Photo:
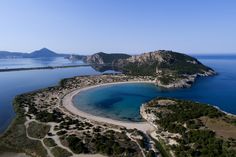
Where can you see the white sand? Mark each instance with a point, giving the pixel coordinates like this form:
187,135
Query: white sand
68,104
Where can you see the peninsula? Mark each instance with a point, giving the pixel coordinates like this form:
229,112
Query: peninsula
186,128
170,69
47,124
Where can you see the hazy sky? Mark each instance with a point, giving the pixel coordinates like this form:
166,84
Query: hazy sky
131,26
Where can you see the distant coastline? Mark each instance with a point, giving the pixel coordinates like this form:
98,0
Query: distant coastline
42,68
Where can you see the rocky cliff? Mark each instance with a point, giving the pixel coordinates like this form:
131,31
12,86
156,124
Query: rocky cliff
171,69
104,58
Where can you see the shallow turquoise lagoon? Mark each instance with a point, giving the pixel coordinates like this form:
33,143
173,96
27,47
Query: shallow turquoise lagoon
123,101
120,101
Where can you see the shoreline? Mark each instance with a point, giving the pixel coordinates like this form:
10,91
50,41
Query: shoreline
64,93
42,68
68,104
227,113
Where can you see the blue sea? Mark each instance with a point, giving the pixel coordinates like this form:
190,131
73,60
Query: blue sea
36,62
123,101
17,82
119,101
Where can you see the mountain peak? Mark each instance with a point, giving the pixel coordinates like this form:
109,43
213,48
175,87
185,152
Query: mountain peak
44,49
43,52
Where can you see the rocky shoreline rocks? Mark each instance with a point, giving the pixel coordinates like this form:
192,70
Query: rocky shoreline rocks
185,82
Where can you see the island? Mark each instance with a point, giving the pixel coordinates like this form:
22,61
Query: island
46,124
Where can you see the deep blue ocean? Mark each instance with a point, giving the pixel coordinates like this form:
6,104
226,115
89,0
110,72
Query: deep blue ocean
118,102
123,101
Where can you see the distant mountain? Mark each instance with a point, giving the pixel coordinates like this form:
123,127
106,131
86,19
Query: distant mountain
105,58
7,54
43,53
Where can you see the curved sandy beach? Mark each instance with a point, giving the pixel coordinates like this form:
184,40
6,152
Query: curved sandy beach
68,104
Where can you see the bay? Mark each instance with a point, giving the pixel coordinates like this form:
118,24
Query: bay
123,101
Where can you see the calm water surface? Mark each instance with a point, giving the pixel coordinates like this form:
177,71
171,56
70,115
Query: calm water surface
36,62
17,82
123,101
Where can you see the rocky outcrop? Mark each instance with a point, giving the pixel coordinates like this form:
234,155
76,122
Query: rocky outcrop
96,59
178,83
104,58
171,69
184,82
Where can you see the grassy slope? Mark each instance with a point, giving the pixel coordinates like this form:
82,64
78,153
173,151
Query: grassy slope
15,140
197,139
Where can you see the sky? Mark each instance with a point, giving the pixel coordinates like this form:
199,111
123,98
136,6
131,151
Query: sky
124,26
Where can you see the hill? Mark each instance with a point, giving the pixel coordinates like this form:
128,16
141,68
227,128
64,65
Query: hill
162,61
171,69
44,52
104,58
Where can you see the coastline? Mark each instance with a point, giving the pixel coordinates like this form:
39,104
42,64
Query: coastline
227,113
68,104
60,101
42,68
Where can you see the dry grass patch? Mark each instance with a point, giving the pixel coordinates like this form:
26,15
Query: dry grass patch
38,130
220,127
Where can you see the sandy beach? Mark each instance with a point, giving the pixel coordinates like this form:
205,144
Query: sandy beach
68,104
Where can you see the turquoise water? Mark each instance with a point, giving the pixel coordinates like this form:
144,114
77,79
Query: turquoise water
123,101
219,90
